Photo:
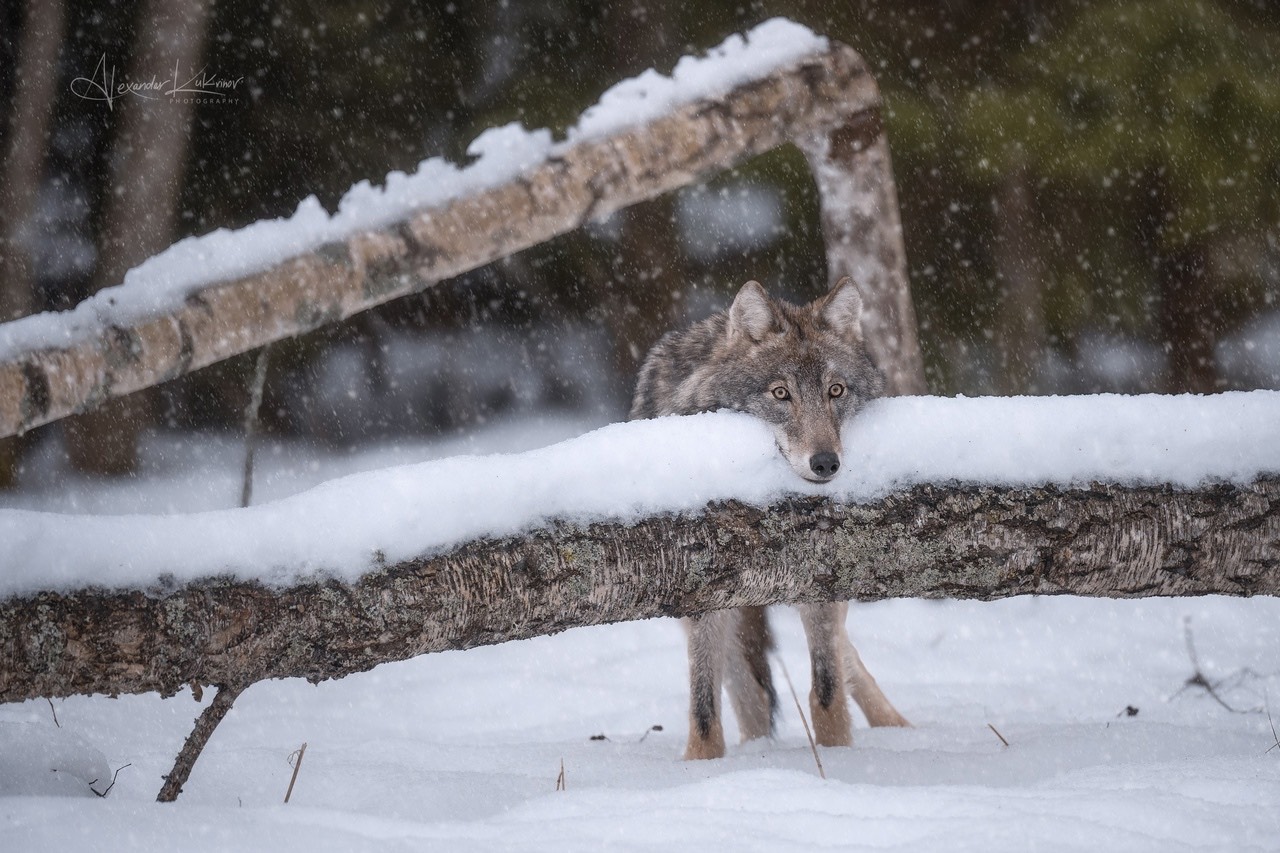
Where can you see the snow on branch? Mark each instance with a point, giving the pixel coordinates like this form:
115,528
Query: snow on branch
209,298
965,498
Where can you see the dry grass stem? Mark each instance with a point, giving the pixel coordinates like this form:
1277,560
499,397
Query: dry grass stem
803,719
295,758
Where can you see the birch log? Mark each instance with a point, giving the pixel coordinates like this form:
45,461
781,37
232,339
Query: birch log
828,102
955,542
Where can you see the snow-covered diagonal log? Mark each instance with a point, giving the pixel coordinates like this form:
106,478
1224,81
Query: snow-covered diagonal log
955,542
177,315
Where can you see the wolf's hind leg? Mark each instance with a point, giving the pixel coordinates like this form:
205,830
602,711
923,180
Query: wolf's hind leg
749,679
823,625
708,639
875,706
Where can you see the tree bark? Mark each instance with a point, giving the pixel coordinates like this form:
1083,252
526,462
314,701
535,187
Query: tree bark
150,156
34,90
956,542
811,99
195,743
862,230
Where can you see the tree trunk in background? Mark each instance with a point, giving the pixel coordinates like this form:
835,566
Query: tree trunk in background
641,303
35,89
1020,273
149,157
1187,321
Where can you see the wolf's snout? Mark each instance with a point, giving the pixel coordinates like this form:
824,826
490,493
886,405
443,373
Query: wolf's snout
824,464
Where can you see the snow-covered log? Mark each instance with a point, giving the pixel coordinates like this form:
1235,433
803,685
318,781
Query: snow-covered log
210,298
957,542
978,498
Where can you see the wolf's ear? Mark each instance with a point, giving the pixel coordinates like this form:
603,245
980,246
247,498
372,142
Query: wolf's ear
751,314
842,309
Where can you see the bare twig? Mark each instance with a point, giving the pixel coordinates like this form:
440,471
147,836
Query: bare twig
251,422
654,728
54,711
295,758
1274,737
997,734
1198,678
205,724
103,794
803,719
560,783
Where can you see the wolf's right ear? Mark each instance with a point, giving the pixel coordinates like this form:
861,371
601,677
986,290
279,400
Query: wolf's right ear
842,309
751,314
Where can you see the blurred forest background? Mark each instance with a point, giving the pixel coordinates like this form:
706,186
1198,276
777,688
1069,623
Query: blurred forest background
1090,192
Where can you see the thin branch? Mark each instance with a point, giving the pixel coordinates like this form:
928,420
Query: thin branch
54,711
103,794
1274,737
205,724
1198,678
997,734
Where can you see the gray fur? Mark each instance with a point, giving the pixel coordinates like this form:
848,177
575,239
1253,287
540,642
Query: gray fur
738,359
733,359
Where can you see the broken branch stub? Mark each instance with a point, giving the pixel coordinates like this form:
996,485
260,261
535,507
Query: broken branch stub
813,102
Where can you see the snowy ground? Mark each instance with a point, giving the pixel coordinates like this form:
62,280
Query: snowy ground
460,751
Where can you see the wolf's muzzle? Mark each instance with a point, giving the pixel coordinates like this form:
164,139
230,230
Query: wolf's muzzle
825,465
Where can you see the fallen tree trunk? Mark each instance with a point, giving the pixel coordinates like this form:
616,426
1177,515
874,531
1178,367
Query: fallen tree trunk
828,103
954,542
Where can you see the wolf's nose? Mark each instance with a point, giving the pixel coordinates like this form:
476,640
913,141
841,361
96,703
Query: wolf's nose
825,464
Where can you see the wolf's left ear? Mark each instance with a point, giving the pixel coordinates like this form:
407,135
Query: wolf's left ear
842,309
751,314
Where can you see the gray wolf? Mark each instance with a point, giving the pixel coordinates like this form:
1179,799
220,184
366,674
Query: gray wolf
804,370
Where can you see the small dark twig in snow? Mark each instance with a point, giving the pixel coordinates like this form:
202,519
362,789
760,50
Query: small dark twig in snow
1198,678
654,728
1274,737
807,733
995,732
54,711
560,783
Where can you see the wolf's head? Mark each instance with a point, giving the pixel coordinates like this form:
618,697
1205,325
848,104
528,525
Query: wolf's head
802,369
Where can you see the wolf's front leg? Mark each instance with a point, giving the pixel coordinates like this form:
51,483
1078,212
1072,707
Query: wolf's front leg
832,725
708,639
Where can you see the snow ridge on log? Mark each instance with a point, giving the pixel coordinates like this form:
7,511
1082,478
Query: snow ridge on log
956,542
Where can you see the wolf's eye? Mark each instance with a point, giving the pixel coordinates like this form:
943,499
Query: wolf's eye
781,393
836,390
